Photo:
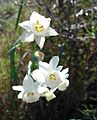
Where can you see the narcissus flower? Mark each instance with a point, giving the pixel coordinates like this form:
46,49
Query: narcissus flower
53,74
29,90
36,29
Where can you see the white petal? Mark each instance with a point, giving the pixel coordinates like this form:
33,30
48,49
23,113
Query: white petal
51,32
53,63
49,96
34,17
44,67
40,41
17,88
59,68
20,95
66,76
38,76
42,90
54,89
27,37
46,23
28,83
35,86
65,71
26,25
42,20
63,85
67,82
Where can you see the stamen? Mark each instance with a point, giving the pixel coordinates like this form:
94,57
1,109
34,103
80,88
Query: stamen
28,94
52,76
38,27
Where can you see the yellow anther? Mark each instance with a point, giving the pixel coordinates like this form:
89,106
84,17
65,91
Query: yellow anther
52,76
29,94
38,27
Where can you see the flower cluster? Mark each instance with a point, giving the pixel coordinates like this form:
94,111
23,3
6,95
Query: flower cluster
43,82
48,77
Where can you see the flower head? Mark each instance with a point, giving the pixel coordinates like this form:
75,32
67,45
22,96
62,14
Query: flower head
53,74
29,90
37,28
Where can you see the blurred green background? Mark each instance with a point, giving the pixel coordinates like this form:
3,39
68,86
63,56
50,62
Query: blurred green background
76,45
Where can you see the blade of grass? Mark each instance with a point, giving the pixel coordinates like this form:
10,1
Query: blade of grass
13,73
19,13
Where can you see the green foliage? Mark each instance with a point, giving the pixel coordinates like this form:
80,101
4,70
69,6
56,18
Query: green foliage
89,113
13,74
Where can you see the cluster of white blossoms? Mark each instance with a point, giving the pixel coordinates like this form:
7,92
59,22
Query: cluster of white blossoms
49,77
43,82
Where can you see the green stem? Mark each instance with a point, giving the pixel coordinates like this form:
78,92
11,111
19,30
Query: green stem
33,48
33,56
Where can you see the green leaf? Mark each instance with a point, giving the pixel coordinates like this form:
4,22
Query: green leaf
13,73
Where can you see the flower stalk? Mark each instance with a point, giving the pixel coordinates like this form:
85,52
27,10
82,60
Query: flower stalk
34,59
42,78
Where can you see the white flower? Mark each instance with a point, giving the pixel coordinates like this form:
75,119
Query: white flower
29,90
37,28
53,74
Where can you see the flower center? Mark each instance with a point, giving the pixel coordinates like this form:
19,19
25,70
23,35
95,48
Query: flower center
30,94
53,76
38,27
